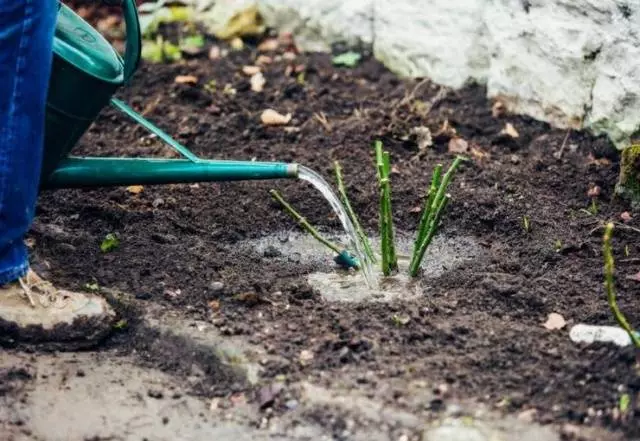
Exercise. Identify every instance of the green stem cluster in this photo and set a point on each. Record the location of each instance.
(609, 270)
(387, 246)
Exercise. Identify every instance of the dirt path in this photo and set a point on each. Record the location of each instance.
(470, 349)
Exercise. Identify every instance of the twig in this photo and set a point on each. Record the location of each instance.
(322, 119)
(352, 215)
(559, 153)
(304, 224)
(608, 281)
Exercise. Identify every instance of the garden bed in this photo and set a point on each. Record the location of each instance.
(476, 332)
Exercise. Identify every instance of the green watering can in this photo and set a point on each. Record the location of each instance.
(86, 73)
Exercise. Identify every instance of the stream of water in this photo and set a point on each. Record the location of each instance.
(310, 176)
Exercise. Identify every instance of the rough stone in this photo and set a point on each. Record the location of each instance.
(572, 64)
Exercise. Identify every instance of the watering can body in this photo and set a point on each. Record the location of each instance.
(86, 73)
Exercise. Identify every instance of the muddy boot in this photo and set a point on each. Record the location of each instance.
(35, 313)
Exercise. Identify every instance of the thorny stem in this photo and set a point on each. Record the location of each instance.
(352, 215)
(393, 258)
(387, 251)
(609, 270)
(423, 226)
(304, 224)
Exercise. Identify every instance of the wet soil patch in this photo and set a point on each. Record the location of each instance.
(477, 329)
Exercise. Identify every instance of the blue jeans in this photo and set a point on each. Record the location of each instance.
(26, 39)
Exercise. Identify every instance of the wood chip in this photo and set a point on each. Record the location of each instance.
(250, 70)
(135, 189)
(509, 130)
(263, 59)
(257, 82)
(270, 117)
(555, 321)
(268, 45)
(186, 79)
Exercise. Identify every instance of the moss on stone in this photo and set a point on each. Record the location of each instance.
(628, 186)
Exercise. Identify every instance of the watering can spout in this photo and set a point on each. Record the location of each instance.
(82, 172)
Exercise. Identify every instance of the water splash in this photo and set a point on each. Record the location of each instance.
(310, 176)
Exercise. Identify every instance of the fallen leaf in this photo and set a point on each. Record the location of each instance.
(247, 22)
(555, 321)
(446, 130)
(268, 45)
(214, 305)
(347, 59)
(250, 70)
(263, 59)
(458, 145)
(186, 79)
(635, 277)
(498, 109)
(478, 153)
(192, 45)
(423, 137)
(594, 191)
(135, 189)
(625, 216)
(214, 53)
(509, 130)
(272, 118)
(592, 160)
(257, 82)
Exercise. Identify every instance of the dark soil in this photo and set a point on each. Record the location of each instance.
(479, 328)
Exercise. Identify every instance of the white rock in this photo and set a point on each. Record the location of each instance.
(582, 333)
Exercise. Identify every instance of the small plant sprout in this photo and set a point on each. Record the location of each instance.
(352, 215)
(526, 224)
(609, 270)
(343, 257)
(435, 203)
(387, 247)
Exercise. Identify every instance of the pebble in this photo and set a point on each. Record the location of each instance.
(216, 287)
(291, 404)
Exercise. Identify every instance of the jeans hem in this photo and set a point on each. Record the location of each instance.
(14, 273)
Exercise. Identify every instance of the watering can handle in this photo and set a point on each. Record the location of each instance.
(133, 44)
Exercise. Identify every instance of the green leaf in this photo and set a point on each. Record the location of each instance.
(192, 43)
(109, 243)
(91, 287)
(347, 59)
(625, 401)
(152, 51)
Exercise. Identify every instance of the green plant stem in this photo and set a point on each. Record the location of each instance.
(384, 244)
(432, 217)
(393, 258)
(352, 215)
(423, 226)
(419, 252)
(609, 270)
(304, 224)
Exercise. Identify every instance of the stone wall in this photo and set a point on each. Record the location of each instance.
(573, 63)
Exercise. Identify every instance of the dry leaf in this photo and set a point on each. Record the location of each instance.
(458, 145)
(250, 70)
(423, 137)
(446, 130)
(555, 321)
(416, 209)
(135, 189)
(635, 277)
(257, 82)
(594, 191)
(214, 53)
(510, 131)
(272, 118)
(597, 162)
(268, 45)
(498, 109)
(214, 305)
(478, 153)
(186, 79)
(263, 59)
(625, 216)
